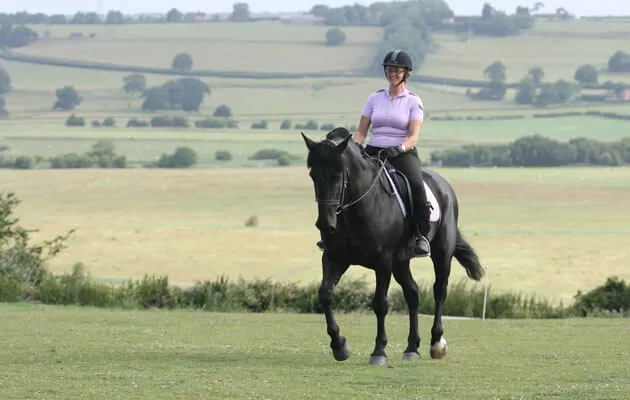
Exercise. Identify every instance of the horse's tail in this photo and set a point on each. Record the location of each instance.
(467, 257)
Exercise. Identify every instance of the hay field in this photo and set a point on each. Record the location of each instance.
(558, 47)
(549, 232)
(263, 46)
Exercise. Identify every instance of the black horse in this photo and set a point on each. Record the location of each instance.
(361, 222)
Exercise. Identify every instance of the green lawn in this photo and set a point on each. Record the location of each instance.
(68, 352)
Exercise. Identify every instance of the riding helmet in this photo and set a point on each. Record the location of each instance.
(398, 58)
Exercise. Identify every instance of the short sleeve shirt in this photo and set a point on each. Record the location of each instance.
(390, 116)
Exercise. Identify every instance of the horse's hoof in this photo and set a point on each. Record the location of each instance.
(439, 349)
(411, 356)
(342, 353)
(378, 360)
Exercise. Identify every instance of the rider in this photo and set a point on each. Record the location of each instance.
(396, 115)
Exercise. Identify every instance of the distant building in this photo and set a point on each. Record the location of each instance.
(302, 19)
(196, 17)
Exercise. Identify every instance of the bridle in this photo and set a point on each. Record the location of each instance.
(339, 202)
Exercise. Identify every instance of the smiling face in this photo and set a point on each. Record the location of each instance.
(395, 75)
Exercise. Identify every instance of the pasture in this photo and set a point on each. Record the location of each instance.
(61, 352)
(49, 137)
(264, 46)
(548, 232)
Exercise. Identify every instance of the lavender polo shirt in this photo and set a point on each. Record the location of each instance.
(390, 116)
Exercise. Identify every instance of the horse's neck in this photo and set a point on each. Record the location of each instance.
(362, 175)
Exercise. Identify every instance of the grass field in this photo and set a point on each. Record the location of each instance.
(258, 47)
(67, 352)
(265, 46)
(549, 232)
(49, 137)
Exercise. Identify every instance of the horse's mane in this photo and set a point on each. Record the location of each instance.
(338, 134)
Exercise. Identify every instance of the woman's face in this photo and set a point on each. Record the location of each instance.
(395, 74)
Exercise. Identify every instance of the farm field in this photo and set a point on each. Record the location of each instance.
(49, 137)
(549, 232)
(54, 352)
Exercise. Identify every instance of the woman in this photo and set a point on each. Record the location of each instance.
(396, 115)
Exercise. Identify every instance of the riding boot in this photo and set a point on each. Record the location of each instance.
(422, 246)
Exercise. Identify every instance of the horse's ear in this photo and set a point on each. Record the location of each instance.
(342, 146)
(309, 143)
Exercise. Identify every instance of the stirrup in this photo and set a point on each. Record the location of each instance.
(421, 252)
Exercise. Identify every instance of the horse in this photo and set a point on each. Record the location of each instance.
(362, 220)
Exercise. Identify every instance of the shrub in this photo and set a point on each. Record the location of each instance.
(222, 111)
(260, 125)
(267, 154)
(285, 125)
(612, 296)
(222, 155)
(180, 122)
(109, 122)
(284, 160)
(335, 37)
(252, 221)
(327, 127)
(137, 123)
(161, 121)
(96, 124)
(73, 120)
(24, 162)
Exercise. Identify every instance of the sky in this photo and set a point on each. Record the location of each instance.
(461, 7)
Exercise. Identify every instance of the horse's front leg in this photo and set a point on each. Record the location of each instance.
(380, 306)
(442, 267)
(402, 274)
(332, 272)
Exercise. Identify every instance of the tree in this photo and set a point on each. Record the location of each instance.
(182, 62)
(5, 81)
(240, 12)
(3, 108)
(156, 99)
(487, 12)
(134, 83)
(174, 16)
(222, 111)
(115, 17)
(526, 91)
(495, 72)
(67, 98)
(192, 100)
(537, 74)
(586, 74)
(619, 62)
(335, 37)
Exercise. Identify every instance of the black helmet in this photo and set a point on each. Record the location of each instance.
(398, 58)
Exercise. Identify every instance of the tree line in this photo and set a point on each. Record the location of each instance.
(536, 151)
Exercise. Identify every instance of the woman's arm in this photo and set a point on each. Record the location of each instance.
(362, 130)
(413, 136)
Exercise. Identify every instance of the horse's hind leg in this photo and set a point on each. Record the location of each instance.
(403, 276)
(442, 266)
(332, 272)
(380, 306)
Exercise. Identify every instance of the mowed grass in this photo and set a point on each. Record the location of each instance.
(548, 232)
(67, 352)
(49, 137)
(567, 46)
(263, 46)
